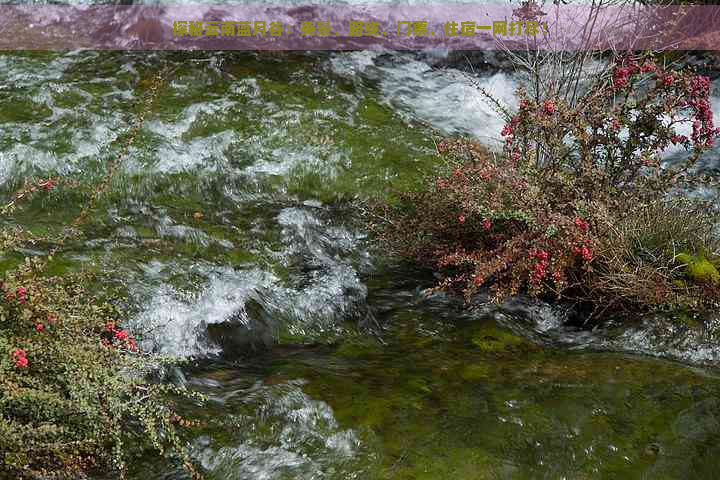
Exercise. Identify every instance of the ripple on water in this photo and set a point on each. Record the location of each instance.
(448, 99)
(292, 436)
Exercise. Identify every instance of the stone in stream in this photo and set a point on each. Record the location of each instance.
(248, 331)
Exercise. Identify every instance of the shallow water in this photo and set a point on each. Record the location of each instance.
(441, 394)
(233, 231)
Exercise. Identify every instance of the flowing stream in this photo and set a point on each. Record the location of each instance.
(234, 231)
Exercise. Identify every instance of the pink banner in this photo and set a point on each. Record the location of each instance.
(315, 27)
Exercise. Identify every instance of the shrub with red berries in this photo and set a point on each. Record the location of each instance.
(577, 204)
(486, 222)
(613, 140)
(64, 383)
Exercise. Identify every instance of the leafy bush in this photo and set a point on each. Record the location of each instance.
(612, 141)
(74, 394)
(487, 221)
(578, 204)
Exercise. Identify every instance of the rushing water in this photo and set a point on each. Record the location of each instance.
(233, 230)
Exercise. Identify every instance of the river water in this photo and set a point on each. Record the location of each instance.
(233, 231)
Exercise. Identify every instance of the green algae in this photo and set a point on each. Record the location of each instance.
(453, 409)
(23, 110)
(475, 372)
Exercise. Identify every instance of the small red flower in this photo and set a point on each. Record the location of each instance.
(585, 252)
(461, 218)
(621, 76)
(39, 327)
(582, 224)
(507, 130)
(486, 224)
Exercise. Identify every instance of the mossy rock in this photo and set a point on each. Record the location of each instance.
(699, 269)
(493, 339)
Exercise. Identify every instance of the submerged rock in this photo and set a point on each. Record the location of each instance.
(247, 332)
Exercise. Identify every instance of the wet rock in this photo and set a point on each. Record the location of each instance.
(699, 422)
(476, 61)
(245, 333)
(694, 340)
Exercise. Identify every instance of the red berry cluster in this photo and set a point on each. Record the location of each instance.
(19, 356)
(20, 294)
(582, 224)
(543, 258)
(114, 336)
(549, 107)
(584, 251)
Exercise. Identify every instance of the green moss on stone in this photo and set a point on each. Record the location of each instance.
(490, 338)
(699, 269)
